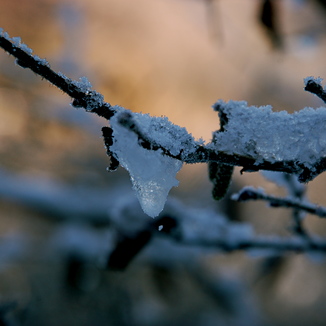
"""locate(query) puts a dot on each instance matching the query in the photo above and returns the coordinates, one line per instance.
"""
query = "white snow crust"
(152, 173)
(317, 80)
(17, 42)
(262, 134)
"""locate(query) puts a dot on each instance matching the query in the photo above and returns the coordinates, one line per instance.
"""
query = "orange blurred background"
(171, 58)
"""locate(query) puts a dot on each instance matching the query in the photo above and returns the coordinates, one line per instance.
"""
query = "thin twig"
(250, 193)
(272, 243)
(89, 99)
(314, 87)
(297, 192)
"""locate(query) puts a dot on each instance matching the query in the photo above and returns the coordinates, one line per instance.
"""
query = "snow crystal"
(152, 173)
(16, 41)
(25, 48)
(5, 35)
(83, 84)
(317, 80)
(41, 61)
(93, 100)
(262, 134)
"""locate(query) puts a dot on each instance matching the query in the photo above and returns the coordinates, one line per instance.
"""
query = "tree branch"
(204, 154)
(314, 86)
(250, 193)
(272, 243)
(93, 102)
(83, 96)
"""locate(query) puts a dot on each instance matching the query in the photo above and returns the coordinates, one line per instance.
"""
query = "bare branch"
(273, 243)
(250, 193)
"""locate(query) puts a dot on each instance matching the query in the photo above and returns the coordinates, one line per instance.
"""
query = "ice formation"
(317, 80)
(16, 41)
(262, 134)
(152, 173)
(83, 84)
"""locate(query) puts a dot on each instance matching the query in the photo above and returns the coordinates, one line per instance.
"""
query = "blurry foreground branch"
(250, 193)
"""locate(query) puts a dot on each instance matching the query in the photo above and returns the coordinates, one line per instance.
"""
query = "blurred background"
(62, 213)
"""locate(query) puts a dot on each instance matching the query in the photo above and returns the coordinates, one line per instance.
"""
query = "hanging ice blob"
(152, 173)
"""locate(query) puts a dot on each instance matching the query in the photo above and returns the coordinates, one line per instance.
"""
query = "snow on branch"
(255, 138)
(80, 91)
(297, 141)
(246, 139)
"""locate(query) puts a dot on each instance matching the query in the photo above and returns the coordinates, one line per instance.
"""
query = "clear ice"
(152, 173)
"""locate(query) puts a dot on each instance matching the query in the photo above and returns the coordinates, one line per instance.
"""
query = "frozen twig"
(296, 191)
(108, 141)
(314, 86)
(250, 193)
(204, 154)
(93, 102)
(83, 97)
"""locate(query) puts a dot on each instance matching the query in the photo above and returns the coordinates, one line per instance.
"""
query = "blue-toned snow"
(264, 135)
(152, 173)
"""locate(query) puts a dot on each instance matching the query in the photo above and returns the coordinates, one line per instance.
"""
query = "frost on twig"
(255, 138)
(153, 151)
(250, 193)
(80, 91)
(313, 85)
(286, 142)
